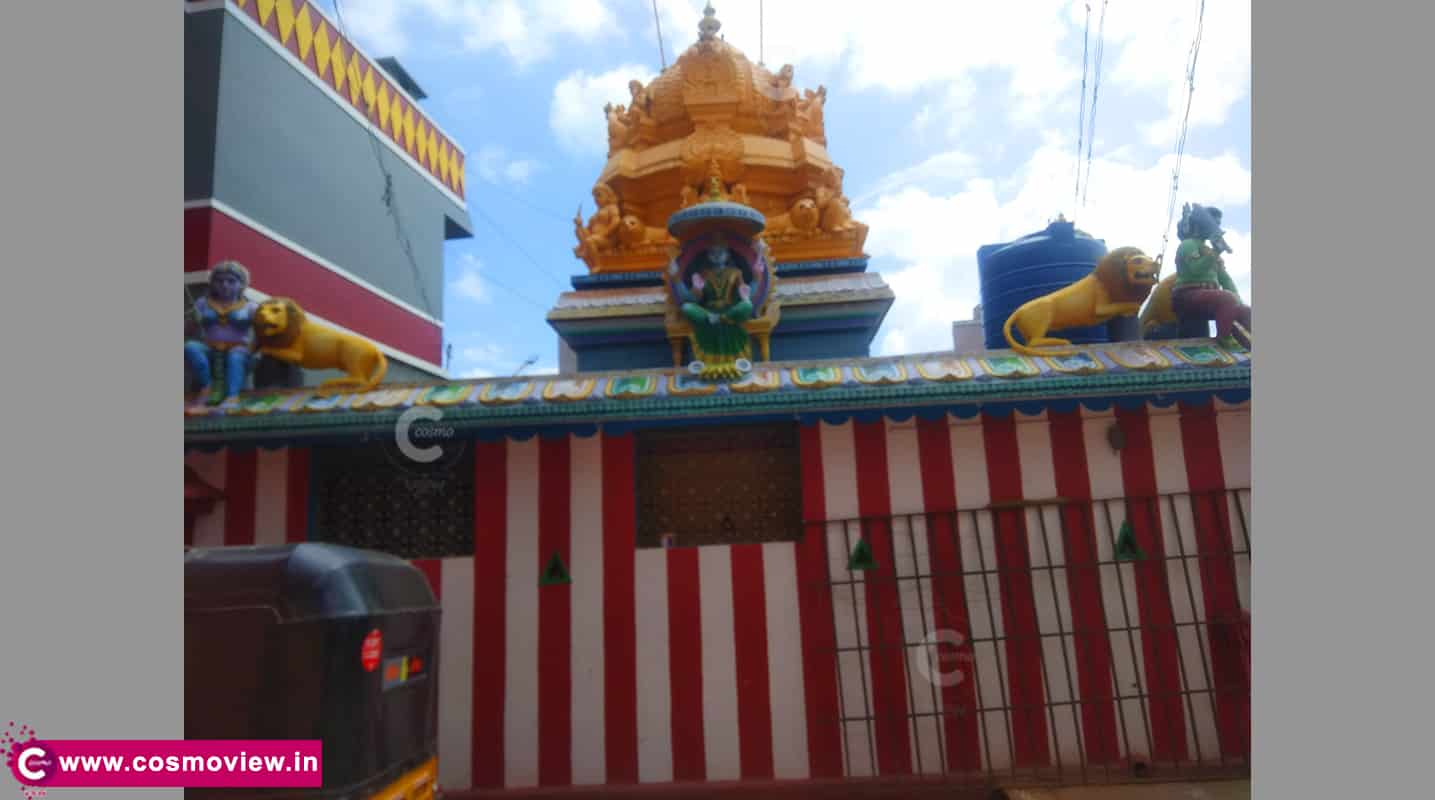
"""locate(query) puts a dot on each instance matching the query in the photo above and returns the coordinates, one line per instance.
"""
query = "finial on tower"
(708, 28)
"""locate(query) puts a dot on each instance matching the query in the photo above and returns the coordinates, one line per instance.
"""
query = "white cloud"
(1029, 53)
(948, 166)
(924, 241)
(576, 115)
(1153, 53)
(526, 31)
(474, 358)
(469, 284)
(493, 165)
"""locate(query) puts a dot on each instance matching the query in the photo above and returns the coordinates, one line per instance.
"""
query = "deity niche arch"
(718, 282)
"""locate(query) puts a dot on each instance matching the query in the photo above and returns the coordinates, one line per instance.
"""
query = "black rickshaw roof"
(304, 582)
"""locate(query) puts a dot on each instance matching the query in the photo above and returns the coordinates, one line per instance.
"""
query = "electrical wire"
(1095, 89)
(1185, 125)
(659, 24)
(391, 203)
(388, 197)
(516, 246)
(1081, 119)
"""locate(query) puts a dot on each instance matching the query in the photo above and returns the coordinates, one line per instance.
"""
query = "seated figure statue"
(717, 305)
(224, 320)
(1203, 290)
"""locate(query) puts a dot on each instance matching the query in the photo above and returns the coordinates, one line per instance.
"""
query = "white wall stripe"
(520, 706)
(1238, 512)
(1123, 620)
(455, 674)
(784, 659)
(969, 467)
(1188, 605)
(271, 492)
(720, 728)
(839, 476)
(655, 698)
(586, 568)
(911, 553)
(1103, 466)
(1234, 430)
(209, 529)
(1183, 574)
(984, 599)
(1053, 612)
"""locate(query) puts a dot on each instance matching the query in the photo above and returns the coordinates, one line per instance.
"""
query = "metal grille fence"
(1032, 641)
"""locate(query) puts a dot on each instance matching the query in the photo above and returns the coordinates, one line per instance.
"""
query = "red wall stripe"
(490, 586)
(241, 472)
(884, 607)
(814, 598)
(1023, 643)
(432, 568)
(296, 498)
(754, 699)
(685, 660)
(555, 617)
(1153, 596)
(277, 270)
(939, 497)
(1083, 581)
(620, 626)
(1202, 445)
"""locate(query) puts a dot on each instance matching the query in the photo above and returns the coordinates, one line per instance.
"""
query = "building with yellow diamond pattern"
(303, 158)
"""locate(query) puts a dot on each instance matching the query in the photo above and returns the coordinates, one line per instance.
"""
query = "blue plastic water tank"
(1034, 265)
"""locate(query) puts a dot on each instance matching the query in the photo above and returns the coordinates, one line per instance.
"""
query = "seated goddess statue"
(224, 320)
(717, 305)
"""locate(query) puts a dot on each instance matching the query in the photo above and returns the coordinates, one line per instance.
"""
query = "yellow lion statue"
(1159, 312)
(1116, 288)
(284, 332)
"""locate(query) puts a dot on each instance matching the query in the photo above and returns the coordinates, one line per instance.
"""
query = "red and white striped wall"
(717, 663)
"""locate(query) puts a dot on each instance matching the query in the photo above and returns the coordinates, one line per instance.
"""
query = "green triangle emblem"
(556, 573)
(1126, 547)
(861, 559)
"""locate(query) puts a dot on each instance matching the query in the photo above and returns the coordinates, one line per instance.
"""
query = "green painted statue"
(717, 305)
(1203, 289)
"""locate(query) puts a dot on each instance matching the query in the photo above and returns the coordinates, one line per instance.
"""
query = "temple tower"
(714, 116)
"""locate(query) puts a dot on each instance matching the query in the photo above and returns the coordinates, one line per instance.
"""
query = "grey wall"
(287, 156)
(201, 101)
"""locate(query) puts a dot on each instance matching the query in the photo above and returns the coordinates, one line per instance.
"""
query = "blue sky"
(956, 123)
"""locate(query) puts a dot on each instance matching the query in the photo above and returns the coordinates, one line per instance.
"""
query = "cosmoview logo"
(407, 437)
(424, 448)
(31, 761)
(35, 763)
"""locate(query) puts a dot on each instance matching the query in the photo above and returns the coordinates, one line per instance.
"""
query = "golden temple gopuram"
(712, 125)
(714, 113)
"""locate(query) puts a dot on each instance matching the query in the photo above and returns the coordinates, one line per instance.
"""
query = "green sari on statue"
(717, 311)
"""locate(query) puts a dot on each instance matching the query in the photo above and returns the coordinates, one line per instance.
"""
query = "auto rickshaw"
(316, 641)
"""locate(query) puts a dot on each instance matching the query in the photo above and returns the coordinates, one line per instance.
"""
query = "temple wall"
(739, 662)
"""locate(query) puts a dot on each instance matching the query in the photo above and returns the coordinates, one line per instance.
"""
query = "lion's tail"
(381, 368)
(1024, 349)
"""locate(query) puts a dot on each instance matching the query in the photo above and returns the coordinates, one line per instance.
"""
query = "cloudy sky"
(956, 123)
